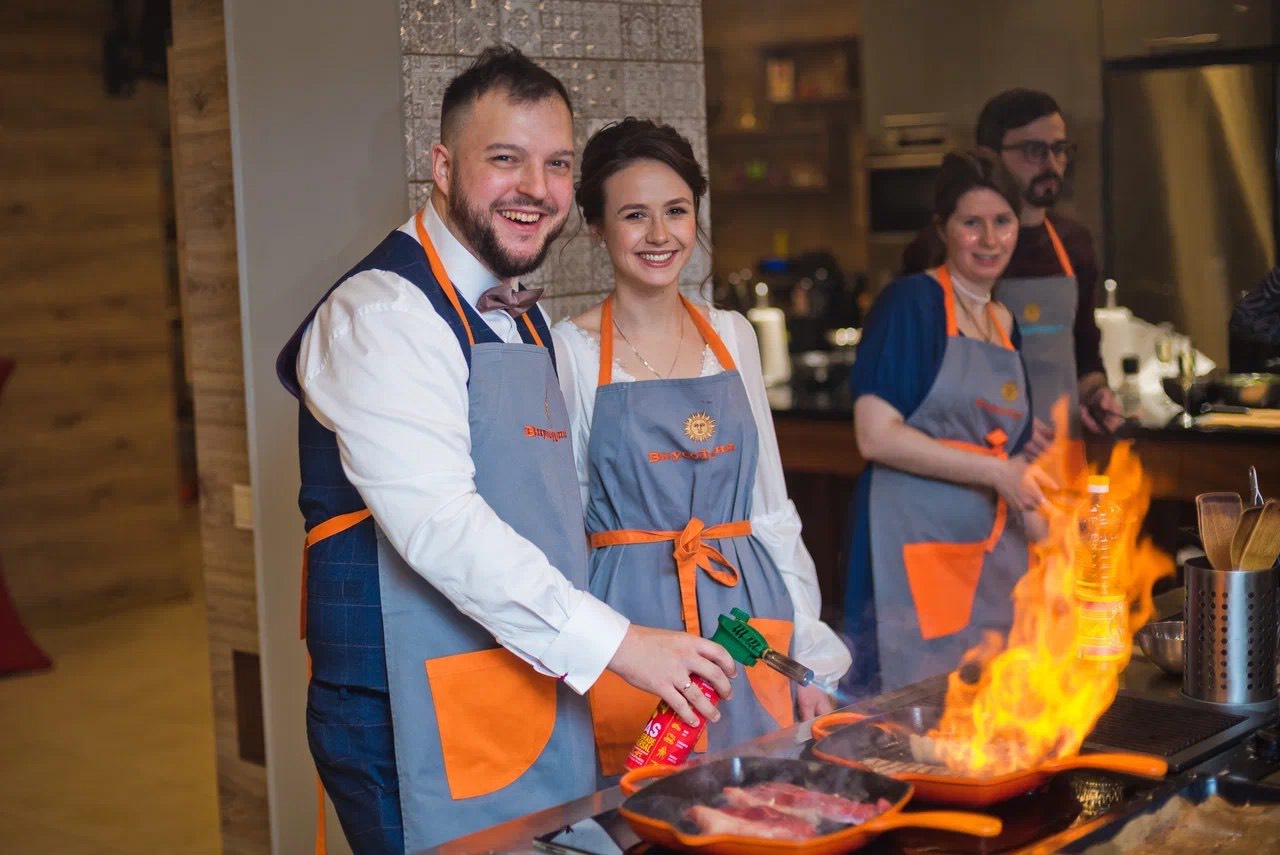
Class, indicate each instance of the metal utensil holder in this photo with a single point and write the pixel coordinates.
(1230, 637)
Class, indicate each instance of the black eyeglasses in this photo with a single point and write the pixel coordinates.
(1038, 151)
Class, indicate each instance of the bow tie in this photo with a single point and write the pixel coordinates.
(514, 303)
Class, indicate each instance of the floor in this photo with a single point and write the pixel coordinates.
(111, 751)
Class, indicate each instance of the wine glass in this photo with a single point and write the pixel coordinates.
(1186, 379)
(1164, 351)
(1164, 343)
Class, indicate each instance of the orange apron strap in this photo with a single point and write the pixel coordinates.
(437, 268)
(322, 841)
(691, 553)
(972, 448)
(995, 322)
(948, 300)
(1058, 248)
(605, 375)
(537, 339)
(322, 838)
(319, 532)
(996, 440)
(708, 334)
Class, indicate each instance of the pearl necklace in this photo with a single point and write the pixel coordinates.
(987, 330)
(980, 299)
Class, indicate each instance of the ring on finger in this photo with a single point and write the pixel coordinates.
(686, 686)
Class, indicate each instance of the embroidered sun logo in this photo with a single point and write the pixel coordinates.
(1032, 312)
(699, 427)
(1009, 391)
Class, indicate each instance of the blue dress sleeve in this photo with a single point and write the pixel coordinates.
(902, 345)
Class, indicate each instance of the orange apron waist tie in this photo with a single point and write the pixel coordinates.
(692, 554)
(322, 531)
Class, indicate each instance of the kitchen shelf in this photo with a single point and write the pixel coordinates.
(771, 191)
(793, 132)
(848, 98)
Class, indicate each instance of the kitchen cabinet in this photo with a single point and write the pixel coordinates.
(1141, 28)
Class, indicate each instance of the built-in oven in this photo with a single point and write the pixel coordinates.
(901, 166)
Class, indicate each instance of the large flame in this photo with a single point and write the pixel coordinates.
(1016, 703)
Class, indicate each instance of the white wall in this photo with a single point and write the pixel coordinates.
(318, 151)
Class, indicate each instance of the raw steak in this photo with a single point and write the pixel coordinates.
(810, 805)
(759, 821)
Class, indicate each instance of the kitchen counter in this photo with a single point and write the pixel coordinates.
(516, 835)
(821, 461)
(815, 435)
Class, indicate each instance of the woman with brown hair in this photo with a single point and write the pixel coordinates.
(942, 515)
(686, 506)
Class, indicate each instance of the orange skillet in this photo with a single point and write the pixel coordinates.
(656, 812)
(853, 740)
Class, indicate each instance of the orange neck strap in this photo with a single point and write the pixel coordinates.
(949, 299)
(1059, 249)
(708, 333)
(446, 284)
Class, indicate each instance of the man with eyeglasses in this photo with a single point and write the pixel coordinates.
(1050, 281)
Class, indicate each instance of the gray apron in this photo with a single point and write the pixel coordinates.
(672, 465)
(1045, 307)
(480, 737)
(946, 556)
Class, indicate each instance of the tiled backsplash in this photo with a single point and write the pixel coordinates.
(622, 58)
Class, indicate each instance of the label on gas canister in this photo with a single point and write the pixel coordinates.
(667, 739)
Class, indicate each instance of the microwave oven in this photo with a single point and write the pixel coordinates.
(900, 190)
(902, 166)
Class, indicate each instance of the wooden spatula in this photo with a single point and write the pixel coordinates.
(1244, 529)
(1217, 514)
(1264, 541)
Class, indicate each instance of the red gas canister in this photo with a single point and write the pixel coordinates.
(667, 739)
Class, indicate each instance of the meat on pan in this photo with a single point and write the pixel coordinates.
(810, 805)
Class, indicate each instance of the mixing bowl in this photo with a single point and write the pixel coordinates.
(1162, 641)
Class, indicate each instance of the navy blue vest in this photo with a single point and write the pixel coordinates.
(344, 609)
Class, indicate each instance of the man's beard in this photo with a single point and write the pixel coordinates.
(1044, 195)
(479, 232)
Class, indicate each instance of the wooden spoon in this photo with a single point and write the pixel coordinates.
(1264, 541)
(1244, 528)
(1218, 514)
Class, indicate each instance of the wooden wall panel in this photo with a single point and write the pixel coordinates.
(90, 513)
(211, 323)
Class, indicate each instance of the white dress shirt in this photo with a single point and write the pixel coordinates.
(381, 368)
(774, 521)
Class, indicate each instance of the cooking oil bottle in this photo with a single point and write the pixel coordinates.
(1101, 617)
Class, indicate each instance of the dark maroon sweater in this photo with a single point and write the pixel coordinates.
(1034, 256)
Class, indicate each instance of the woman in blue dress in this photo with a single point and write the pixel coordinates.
(943, 513)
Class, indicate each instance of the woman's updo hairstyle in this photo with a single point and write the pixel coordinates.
(975, 169)
(618, 145)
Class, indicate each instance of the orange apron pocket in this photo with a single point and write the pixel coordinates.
(619, 711)
(772, 689)
(944, 579)
(495, 715)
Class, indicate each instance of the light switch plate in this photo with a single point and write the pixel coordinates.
(242, 506)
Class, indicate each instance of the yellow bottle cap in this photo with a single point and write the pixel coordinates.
(1099, 484)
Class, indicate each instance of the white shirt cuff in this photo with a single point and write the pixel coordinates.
(819, 648)
(586, 643)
